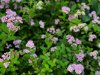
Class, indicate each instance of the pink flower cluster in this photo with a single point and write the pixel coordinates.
(78, 27)
(30, 44)
(92, 37)
(95, 17)
(77, 67)
(4, 3)
(26, 51)
(57, 21)
(41, 23)
(17, 43)
(5, 56)
(80, 56)
(84, 6)
(72, 40)
(55, 39)
(94, 54)
(65, 9)
(11, 18)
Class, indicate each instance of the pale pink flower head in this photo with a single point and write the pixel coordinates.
(97, 72)
(57, 21)
(41, 23)
(71, 40)
(94, 54)
(30, 44)
(10, 13)
(65, 9)
(16, 42)
(1, 6)
(30, 61)
(80, 56)
(55, 39)
(78, 41)
(6, 64)
(79, 68)
(6, 1)
(1, 60)
(6, 56)
(71, 67)
(10, 25)
(26, 51)
(4, 19)
(34, 55)
(71, 17)
(53, 49)
(92, 37)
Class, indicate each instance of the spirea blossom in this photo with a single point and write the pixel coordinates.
(51, 30)
(84, 6)
(6, 56)
(78, 68)
(41, 23)
(26, 51)
(57, 21)
(6, 64)
(92, 37)
(94, 54)
(53, 48)
(80, 56)
(30, 44)
(95, 17)
(72, 40)
(65, 9)
(55, 39)
(11, 18)
(17, 43)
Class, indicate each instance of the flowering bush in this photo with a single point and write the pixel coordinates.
(49, 37)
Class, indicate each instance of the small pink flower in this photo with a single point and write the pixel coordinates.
(16, 42)
(1, 60)
(34, 55)
(26, 51)
(41, 23)
(57, 21)
(70, 68)
(65, 9)
(78, 41)
(79, 68)
(1, 6)
(55, 39)
(30, 44)
(80, 56)
(6, 1)
(30, 61)
(6, 64)
(94, 54)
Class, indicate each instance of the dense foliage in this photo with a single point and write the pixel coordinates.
(49, 37)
